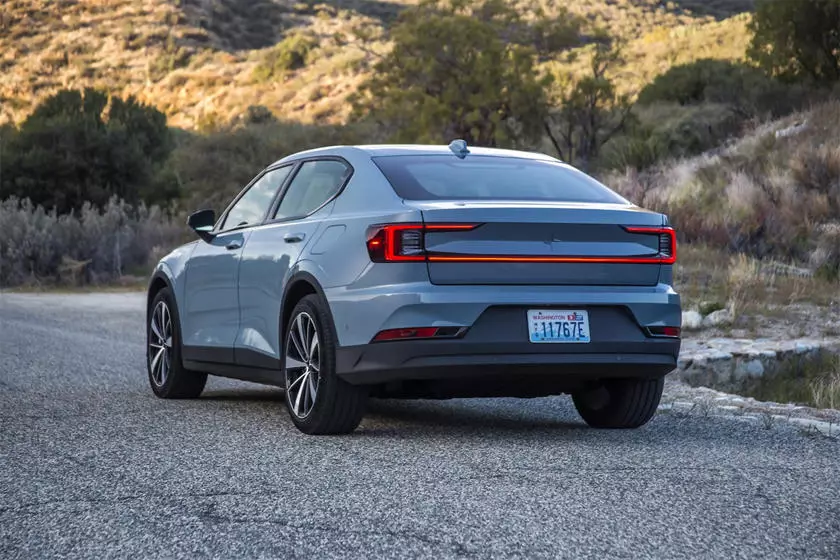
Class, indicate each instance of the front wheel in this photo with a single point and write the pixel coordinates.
(167, 376)
(619, 403)
(319, 401)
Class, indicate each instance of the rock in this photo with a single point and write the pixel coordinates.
(707, 307)
(691, 320)
(745, 369)
(719, 318)
(792, 130)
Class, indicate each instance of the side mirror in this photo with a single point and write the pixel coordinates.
(202, 223)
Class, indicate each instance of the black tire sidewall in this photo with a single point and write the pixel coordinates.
(326, 375)
(176, 369)
(331, 389)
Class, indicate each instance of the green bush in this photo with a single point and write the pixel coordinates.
(745, 88)
(292, 53)
(85, 147)
(797, 40)
(668, 131)
(214, 167)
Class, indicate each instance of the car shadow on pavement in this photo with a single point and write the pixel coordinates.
(266, 394)
(387, 417)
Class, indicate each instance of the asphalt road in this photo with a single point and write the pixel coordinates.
(93, 465)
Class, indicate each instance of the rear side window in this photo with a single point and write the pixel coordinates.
(315, 183)
(446, 177)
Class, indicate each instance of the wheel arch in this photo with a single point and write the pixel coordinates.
(300, 285)
(158, 281)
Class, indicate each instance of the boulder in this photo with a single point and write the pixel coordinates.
(719, 318)
(691, 320)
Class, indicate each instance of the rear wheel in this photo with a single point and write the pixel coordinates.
(319, 401)
(619, 403)
(168, 378)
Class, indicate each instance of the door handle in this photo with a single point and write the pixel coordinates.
(294, 237)
(235, 244)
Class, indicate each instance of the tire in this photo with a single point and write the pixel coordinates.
(619, 403)
(337, 407)
(167, 376)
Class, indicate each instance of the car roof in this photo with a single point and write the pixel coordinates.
(381, 150)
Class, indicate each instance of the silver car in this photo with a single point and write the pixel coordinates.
(346, 273)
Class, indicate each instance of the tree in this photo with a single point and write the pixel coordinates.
(462, 69)
(797, 40)
(589, 111)
(79, 147)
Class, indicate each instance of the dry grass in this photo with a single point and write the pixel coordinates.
(748, 285)
(825, 391)
(195, 60)
(766, 195)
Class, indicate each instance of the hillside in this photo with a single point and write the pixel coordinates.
(196, 59)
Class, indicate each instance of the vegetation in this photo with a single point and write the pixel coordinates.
(86, 147)
(650, 96)
(774, 193)
(588, 111)
(292, 53)
(798, 40)
(460, 69)
(192, 59)
(90, 246)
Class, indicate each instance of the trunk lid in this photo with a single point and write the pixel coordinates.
(541, 243)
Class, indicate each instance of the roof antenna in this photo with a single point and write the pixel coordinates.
(459, 148)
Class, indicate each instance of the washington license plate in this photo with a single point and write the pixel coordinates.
(558, 325)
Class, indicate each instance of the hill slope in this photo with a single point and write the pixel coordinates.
(196, 59)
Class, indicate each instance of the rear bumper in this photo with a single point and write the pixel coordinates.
(497, 344)
(451, 359)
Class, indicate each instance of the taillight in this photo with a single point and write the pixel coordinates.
(404, 242)
(667, 241)
(419, 333)
(667, 332)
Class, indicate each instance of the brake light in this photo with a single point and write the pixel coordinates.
(419, 332)
(668, 332)
(404, 242)
(667, 242)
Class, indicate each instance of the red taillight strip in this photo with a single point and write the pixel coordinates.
(389, 244)
(669, 231)
(521, 259)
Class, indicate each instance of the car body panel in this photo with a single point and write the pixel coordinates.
(265, 268)
(210, 306)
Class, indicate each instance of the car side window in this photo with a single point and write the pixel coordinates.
(315, 183)
(253, 205)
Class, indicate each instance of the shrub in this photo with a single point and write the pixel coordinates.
(766, 196)
(101, 245)
(85, 147)
(745, 88)
(292, 53)
(798, 40)
(668, 131)
(212, 168)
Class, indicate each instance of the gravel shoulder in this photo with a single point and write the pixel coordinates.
(92, 465)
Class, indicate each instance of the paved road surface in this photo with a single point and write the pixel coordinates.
(92, 465)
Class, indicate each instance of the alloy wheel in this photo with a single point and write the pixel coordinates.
(160, 343)
(303, 365)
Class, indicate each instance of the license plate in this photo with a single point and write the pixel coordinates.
(558, 326)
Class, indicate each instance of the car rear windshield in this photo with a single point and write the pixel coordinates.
(446, 177)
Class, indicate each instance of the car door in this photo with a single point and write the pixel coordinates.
(273, 249)
(210, 318)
